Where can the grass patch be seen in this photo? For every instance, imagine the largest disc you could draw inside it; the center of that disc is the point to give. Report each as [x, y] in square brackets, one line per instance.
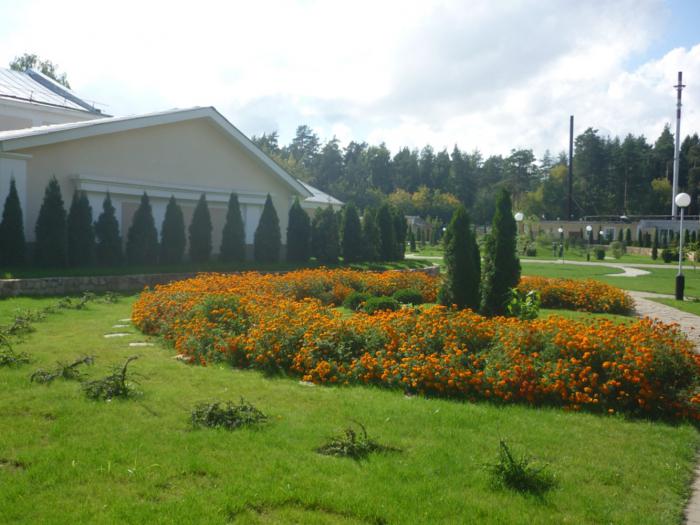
[137, 463]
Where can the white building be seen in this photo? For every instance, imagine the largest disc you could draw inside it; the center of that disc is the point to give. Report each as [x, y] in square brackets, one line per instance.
[47, 130]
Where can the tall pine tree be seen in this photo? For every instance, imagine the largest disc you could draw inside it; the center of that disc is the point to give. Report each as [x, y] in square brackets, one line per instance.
[351, 234]
[142, 237]
[298, 234]
[200, 232]
[12, 243]
[81, 233]
[50, 229]
[268, 238]
[108, 249]
[172, 234]
[233, 235]
[501, 264]
[462, 264]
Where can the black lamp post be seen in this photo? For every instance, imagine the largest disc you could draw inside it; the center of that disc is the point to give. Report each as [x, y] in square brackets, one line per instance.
[682, 200]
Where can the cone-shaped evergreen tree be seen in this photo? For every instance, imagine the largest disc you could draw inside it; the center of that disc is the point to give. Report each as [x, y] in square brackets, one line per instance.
[108, 248]
[371, 236]
[400, 228]
[50, 229]
[200, 232]
[268, 239]
[412, 240]
[352, 248]
[233, 235]
[12, 244]
[325, 241]
[387, 233]
[298, 234]
[501, 264]
[142, 238]
[172, 234]
[81, 233]
[655, 245]
[462, 264]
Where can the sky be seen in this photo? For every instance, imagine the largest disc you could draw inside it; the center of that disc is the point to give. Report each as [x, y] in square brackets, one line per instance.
[492, 76]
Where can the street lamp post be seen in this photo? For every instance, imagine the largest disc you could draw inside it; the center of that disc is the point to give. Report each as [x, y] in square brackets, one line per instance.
[561, 243]
[589, 229]
[682, 200]
[519, 216]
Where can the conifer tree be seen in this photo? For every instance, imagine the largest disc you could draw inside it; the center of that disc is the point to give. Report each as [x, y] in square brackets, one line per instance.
[108, 249]
[640, 237]
[655, 245]
[387, 233]
[351, 235]
[411, 240]
[371, 237]
[462, 264]
[325, 242]
[233, 235]
[172, 234]
[628, 237]
[142, 237]
[501, 264]
[400, 228]
[298, 234]
[50, 229]
[81, 233]
[200, 232]
[12, 243]
[268, 239]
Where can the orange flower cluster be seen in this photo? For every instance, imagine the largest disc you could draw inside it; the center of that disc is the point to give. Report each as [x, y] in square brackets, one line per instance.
[288, 323]
[585, 295]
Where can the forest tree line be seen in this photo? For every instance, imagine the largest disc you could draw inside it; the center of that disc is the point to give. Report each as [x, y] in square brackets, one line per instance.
[612, 176]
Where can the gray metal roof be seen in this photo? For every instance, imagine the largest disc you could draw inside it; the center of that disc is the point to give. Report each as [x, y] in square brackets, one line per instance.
[34, 87]
[318, 196]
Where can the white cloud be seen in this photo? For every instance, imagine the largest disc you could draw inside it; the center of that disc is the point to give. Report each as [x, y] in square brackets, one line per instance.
[488, 75]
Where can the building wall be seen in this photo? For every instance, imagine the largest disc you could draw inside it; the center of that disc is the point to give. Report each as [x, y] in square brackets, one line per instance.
[15, 114]
[184, 159]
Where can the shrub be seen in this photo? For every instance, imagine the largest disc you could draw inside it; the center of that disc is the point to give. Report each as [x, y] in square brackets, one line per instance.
[80, 231]
[62, 370]
[12, 242]
[200, 232]
[298, 234]
[351, 235]
[599, 253]
[462, 264]
[325, 244]
[669, 255]
[115, 385]
[376, 304]
[387, 234]
[233, 235]
[172, 234]
[230, 416]
[267, 241]
[531, 251]
[520, 473]
[50, 230]
[355, 300]
[409, 296]
[142, 237]
[501, 270]
[618, 249]
[524, 305]
[108, 248]
[352, 444]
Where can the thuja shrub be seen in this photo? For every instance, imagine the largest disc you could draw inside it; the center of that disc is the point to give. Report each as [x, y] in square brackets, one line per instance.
[229, 416]
[641, 367]
[376, 304]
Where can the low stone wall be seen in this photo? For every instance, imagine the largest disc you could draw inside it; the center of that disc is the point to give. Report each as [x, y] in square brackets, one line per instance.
[111, 283]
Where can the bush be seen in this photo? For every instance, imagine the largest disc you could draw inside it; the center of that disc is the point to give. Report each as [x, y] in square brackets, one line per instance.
[267, 241]
[599, 253]
[531, 251]
[376, 304]
[409, 296]
[618, 249]
[230, 416]
[355, 300]
[669, 255]
[112, 386]
[233, 235]
[520, 473]
[12, 242]
[172, 234]
[50, 230]
[62, 370]
[200, 232]
[142, 237]
[108, 248]
[524, 305]
[298, 234]
[352, 444]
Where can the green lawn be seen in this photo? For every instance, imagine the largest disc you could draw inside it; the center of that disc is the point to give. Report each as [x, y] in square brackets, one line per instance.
[139, 461]
[692, 307]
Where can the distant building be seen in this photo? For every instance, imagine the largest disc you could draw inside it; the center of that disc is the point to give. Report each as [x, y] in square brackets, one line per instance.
[47, 130]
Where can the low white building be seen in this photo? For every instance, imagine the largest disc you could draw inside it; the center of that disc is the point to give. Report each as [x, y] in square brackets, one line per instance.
[182, 152]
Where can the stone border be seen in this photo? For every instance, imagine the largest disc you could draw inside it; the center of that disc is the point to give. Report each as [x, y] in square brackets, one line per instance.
[111, 283]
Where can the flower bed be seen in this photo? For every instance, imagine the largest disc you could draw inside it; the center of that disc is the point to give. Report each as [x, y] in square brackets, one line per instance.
[585, 295]
[287, 323]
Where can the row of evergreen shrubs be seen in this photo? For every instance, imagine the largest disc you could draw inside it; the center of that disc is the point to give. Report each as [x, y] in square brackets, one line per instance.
[72, 239]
